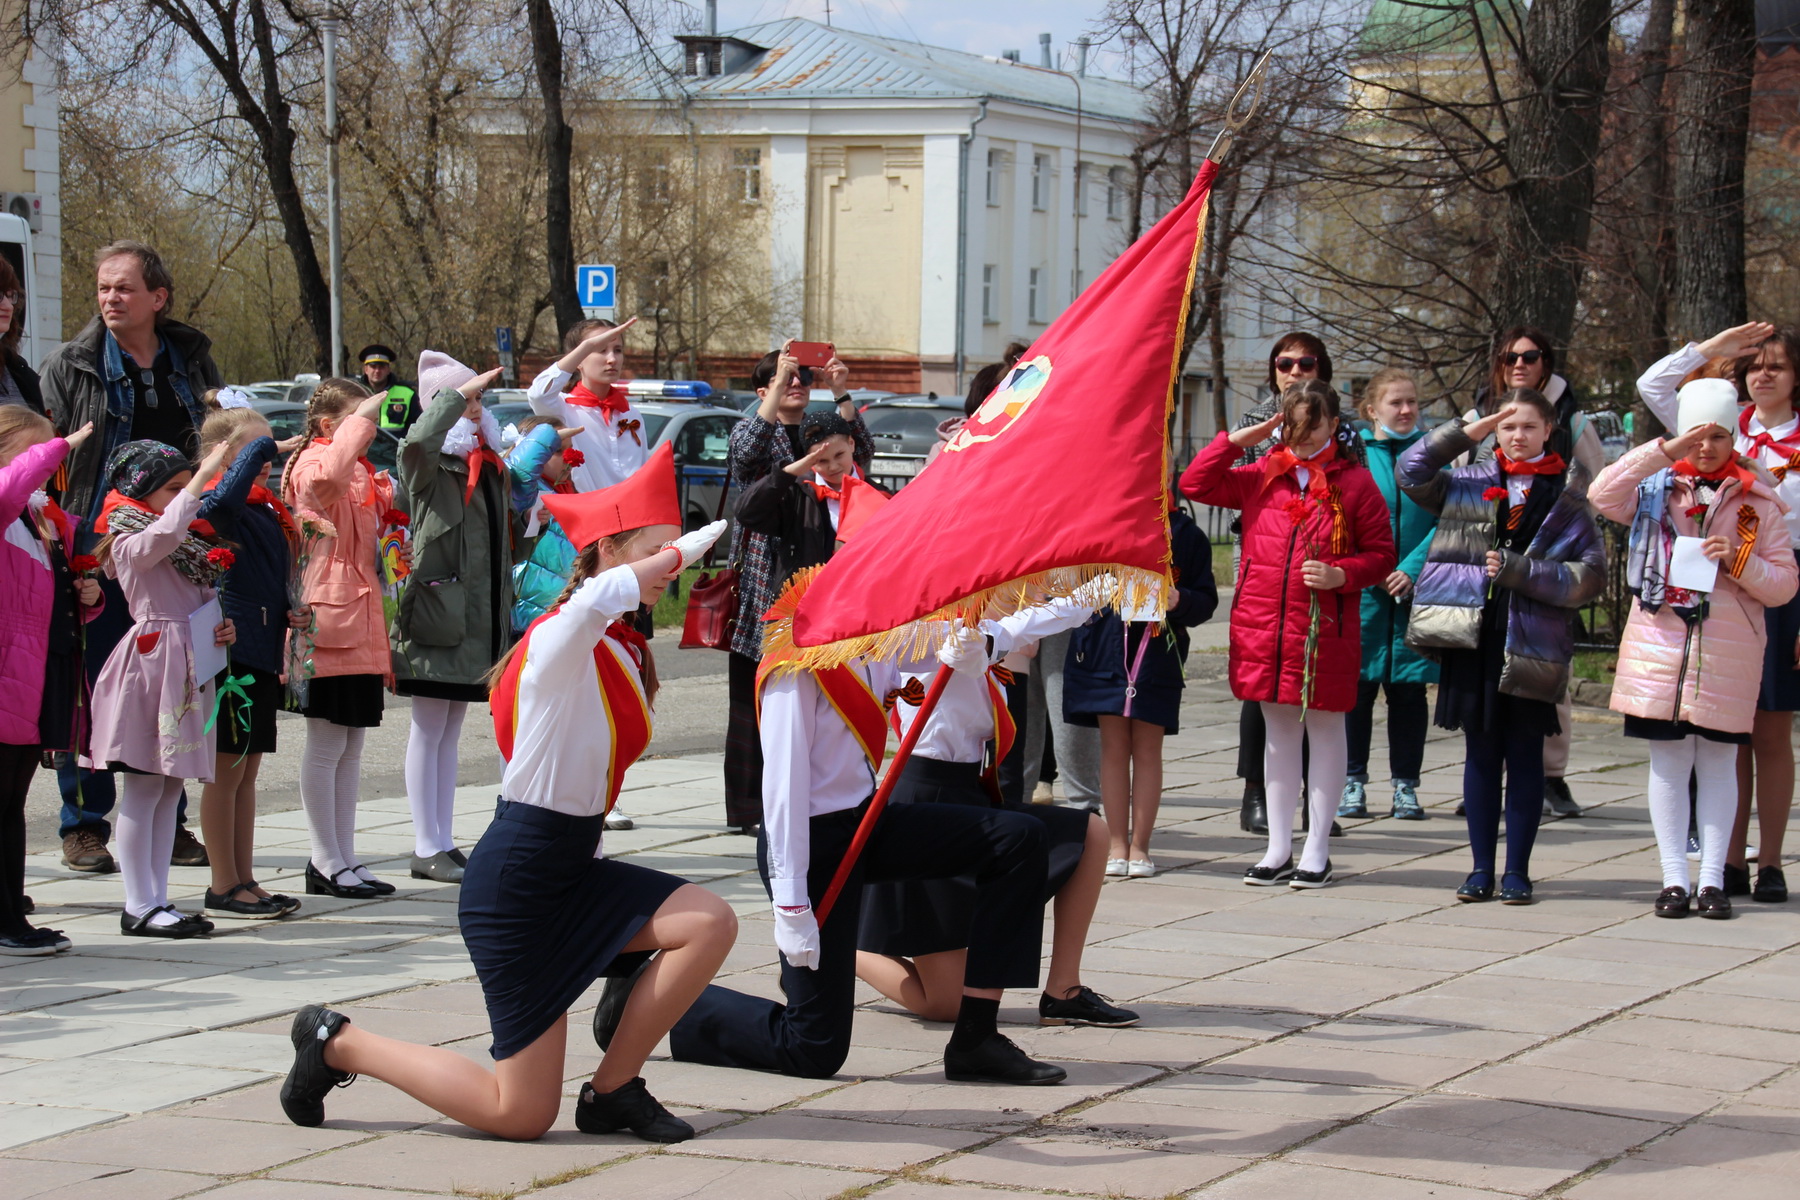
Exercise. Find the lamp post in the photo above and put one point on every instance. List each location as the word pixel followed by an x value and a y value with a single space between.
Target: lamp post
pixel 333 201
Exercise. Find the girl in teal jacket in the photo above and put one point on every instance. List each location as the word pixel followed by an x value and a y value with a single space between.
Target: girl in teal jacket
pixel 539 464
pixel 1391 406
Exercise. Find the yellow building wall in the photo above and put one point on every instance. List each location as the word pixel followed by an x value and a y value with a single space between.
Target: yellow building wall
pixel 863 255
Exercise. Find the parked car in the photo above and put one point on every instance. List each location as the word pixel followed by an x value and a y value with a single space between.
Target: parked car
pixel 287 419
pixel 822 400
pixel 1614 438
pixel 904 429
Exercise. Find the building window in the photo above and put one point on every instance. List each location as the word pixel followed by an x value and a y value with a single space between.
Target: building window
pixel 1040 181
pixel 990 303
pixel 993 178
pixel 1081 175
pixel 653 291
pixel 653 187
pixel 748 165
pixel 1115 193
pixel 1034 295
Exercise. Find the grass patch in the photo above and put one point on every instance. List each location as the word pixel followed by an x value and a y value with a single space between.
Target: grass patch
pixel 1221 555
pixel 671 610
pixel 1597 665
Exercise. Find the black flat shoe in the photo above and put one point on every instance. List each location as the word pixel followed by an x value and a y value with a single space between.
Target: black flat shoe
pixel 1713 904
pixel 1737 880
pixel 382 887
pixel 1477 887
pixel 1337 830
pixel 310 1080
pixel 288 903
pixel 254 908
pixel 318 885
pixel 1253 815
pixel 1672 902
pixel 612 1004
pixel 1311 879
pixel 997 1060
pixel 1085 1007
pixel 1269 876
pixel 1515 890
pixel 629 1106
pixel 1771 886
pixel 186 927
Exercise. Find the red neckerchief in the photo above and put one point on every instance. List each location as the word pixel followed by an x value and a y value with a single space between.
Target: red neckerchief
pixel 825 491
pixel 477 456
pixel 1730 470
pixel 631 639
pixel 258 495
pixel 1283 461
pixel 1549 464
pixel 582 396
pixel 1764 440
pixel 117 499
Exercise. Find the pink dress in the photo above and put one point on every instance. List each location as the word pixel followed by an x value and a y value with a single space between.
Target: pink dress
pixel 149 712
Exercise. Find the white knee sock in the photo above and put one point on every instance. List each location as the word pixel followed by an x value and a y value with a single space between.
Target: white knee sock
pixel 318 793
pixel 1327 759
pixel 145 820
pixel 1670 763
pixel 1715 769
pixel 1281 778
pixel 446 773
pixel 431 772
pixel 348 791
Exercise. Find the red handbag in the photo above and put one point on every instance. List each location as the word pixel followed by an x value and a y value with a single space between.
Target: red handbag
pixel 711 617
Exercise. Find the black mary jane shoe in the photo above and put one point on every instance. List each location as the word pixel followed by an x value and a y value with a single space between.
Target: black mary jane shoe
pixel 288 903
pixel 1515 889
pixel 381 886
pixel 1311 879
pixel 186 927
pixel 1269 876
pixel 630 1106
pixel 996 1059
pixel 234 905
pixel 1479 886
pixel 1673 902
pixel 1713 904
pixel 311 1079
pixel 317 884
pixel 1771 886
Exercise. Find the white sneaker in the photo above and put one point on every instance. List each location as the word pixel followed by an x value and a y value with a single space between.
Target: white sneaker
pixel 618 818
pixel 1043 794
pixel 1117 867
pixel 1140 868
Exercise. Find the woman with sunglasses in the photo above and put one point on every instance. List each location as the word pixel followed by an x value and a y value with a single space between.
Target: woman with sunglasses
pixel 1524 357
pixel 765 441
pixel 1763 362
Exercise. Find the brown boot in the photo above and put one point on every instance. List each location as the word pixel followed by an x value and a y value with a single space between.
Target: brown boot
pixel 188 851
pixel 85 850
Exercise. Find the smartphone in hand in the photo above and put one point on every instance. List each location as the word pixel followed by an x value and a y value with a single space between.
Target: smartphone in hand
pixel 812 354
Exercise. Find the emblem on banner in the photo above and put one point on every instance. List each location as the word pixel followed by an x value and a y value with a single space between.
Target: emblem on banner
pixel 1002 410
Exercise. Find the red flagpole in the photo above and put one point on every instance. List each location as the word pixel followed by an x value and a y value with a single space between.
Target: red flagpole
pixel 892 777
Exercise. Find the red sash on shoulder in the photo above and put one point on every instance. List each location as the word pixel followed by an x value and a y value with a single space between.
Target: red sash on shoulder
pixel 627 712
pixel 851 698
pixel 1006 731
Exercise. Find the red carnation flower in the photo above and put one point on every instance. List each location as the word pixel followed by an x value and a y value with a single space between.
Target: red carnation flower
pixel 221 558
pixel 1494 494
pixel 81 564
pixel 394 516
pixel 1697 512
pixel 573 457
pixel 1296 510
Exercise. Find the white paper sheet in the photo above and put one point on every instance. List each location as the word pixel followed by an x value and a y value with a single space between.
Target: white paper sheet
pixel 209 659
pixel 1690 568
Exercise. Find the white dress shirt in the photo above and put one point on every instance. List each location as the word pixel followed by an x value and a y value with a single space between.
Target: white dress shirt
pixel 613 454
pixel 562 745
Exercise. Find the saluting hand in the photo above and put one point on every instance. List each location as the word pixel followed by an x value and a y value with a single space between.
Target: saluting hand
pixel 1252 435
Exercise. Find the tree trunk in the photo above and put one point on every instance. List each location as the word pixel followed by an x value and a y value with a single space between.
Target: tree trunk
pixel 1551 144
pixel 559 143
pixel 1652 255
pixel 1712 132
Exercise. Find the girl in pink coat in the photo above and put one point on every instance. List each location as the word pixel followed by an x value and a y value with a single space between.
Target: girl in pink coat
pixel 1689 650
pixel 340 501
pixel 152 709
pixel 42 685
pixel 1315 529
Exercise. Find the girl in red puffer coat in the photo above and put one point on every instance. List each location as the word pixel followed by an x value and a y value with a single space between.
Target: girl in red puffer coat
pixel 1315 534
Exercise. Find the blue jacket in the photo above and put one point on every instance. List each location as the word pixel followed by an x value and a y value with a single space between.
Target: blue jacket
pixel 1385 654
pixel 254 593
pixel 1099 646
pixel 540 578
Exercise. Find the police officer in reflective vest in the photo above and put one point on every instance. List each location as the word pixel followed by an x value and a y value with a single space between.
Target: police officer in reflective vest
pixel 402 406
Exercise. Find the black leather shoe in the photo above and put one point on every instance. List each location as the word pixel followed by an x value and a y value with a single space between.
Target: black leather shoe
pixel 1311 879
pixel 1253 816
pixel 1085 1007
pixel 1460 810
pixel 1672 902
pixel 1558 799
pixel 629 1106
pixel 310 1080
pixel 1269 876
pixel 1515 889
pixel 1337 830
pixel 612 1005
pixel 1713 904
pixel 187 927
pixel 1737 880
pixel 997 1060
pixel 1771 886
pixel 243 904
pixel 318 885
pixel 381 887
pixel 1477 887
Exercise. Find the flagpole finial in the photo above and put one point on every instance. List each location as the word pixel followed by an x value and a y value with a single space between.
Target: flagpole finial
pixel 1250 94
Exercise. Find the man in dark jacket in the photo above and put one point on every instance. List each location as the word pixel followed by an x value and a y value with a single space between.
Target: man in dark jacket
pixel 797 506
pixel 135 374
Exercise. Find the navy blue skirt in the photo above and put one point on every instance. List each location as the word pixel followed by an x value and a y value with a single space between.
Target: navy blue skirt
pixel 1780 691
pixel 929 916
pixel 543 918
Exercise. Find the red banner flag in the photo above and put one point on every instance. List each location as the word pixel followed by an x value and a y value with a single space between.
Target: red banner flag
pixel 1060 479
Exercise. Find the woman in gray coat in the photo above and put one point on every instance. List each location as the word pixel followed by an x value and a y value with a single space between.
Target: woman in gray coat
pixel 454 616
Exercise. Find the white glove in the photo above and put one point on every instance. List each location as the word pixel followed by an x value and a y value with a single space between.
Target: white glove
pixel 797 936
pixel 693 546
pixel 965 651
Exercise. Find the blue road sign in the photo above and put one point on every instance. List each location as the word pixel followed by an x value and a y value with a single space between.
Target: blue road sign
pixel 503 339
pixel 597 284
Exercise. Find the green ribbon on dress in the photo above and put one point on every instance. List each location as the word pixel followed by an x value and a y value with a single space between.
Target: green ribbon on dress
pixel 234 686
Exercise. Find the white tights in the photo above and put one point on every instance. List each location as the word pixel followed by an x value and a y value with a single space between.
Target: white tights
pixel 146 827
pixel 1714 766
pixel 328 790
pixel 1324 735
pixel 431 772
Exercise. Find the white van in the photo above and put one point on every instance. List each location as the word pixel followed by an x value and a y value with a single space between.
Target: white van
pixel 15 243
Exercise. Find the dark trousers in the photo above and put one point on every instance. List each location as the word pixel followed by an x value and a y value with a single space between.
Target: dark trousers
pixel 16 766
pixel 1012 767
pixel 1521 756
pixel 743 745
pixel 1408 717
pixel 809 1036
